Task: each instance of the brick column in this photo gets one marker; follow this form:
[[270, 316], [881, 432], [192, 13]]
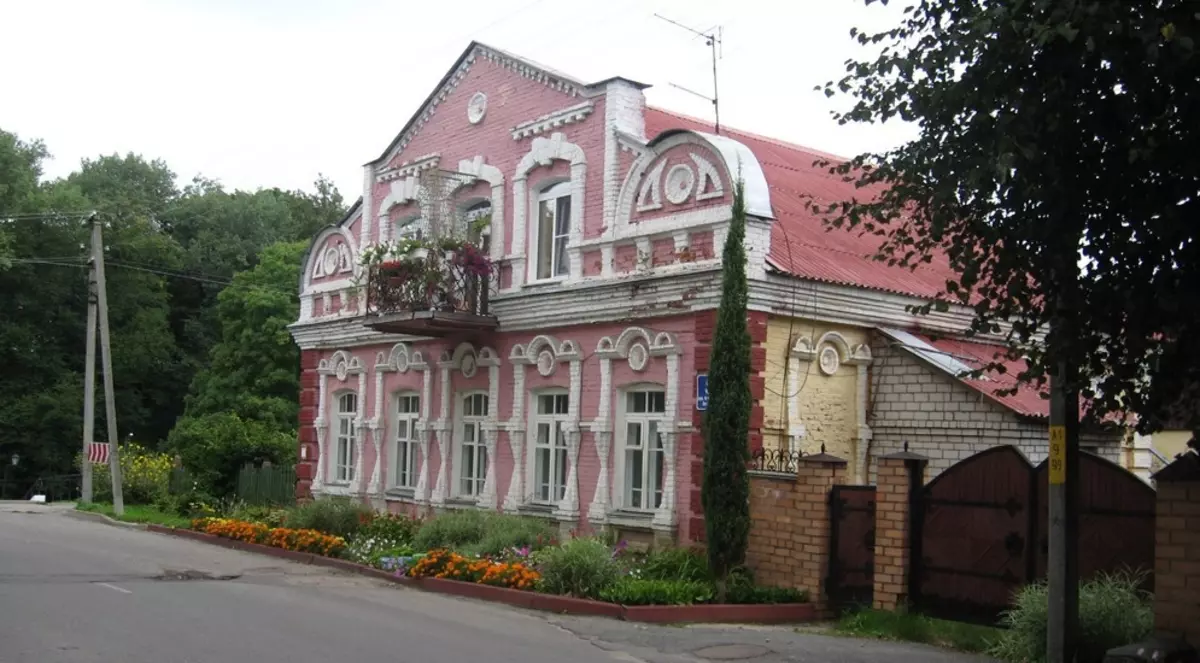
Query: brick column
[[898, 474], [307, 453], [815, 476], [1177, 550]]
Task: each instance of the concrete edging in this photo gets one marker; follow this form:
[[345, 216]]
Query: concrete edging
[[781, 613], [100, 517]]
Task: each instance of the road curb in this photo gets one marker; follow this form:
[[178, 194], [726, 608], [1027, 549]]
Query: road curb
[[781, 613], [103, 519]]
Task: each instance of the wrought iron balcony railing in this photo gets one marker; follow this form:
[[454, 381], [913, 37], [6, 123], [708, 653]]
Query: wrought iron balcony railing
[[432, 293]]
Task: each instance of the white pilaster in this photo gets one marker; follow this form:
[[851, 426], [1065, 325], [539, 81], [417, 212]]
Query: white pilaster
[[664, 516], [568, 507], [516, 439], [320, 428], [488, 499], [441, 490], [422, 490], [364, 237], [520, 207], [360, 420], [602, 433]]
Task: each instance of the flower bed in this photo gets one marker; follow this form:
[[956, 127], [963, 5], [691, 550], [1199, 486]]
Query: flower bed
[[298, 540], [512, 560]]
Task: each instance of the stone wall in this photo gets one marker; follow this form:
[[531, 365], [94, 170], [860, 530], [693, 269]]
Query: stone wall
[[943, 419]]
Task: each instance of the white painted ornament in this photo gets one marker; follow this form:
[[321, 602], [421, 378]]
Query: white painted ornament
[[477, 108], [680, 182]]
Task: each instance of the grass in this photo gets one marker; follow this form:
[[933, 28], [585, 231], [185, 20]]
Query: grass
[[910, 627], [136, 513]]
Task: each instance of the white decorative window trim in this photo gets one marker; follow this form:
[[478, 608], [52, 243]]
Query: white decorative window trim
[[479, 422], [401, 359], [476, 170], [831, 351], [553, 120], [543, 152]]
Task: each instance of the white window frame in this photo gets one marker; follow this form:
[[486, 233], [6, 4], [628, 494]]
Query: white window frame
[[345, 446], [469, 439], [404, 440], [650, 448], [410, 228], [558, 198], [548, 447]]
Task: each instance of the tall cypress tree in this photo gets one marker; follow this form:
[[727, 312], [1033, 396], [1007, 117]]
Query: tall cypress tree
[[725, 491]]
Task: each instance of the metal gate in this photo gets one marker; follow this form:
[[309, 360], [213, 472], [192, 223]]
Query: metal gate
[[979, 531], [851, 578]]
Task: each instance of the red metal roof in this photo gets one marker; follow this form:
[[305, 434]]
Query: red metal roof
[[1028, 400], [800, 243]]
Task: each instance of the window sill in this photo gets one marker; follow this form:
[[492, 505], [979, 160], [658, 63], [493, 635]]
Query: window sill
[[461, 503], [533, 509], [554, 280], [631, 519], [400, 494], [339, 484]]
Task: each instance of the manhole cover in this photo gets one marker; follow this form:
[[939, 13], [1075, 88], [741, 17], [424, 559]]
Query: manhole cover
[[731, 652]]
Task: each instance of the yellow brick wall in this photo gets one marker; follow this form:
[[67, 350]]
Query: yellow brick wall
[[1177, 560], [828, 403]]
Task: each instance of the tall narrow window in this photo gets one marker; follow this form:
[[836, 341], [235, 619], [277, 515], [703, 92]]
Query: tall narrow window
[[644, 414], [550, 448], [474, 460], [404, 458], [347, 437], [553, 230]]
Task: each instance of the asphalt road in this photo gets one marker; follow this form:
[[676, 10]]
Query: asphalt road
[[75, 590]]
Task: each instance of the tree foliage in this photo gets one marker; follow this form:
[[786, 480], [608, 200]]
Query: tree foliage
[[215, 446], [170, 253], [1055, 169], [725, 489]]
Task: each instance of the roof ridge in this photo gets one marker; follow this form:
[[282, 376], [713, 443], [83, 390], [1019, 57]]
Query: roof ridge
[[749, 134]]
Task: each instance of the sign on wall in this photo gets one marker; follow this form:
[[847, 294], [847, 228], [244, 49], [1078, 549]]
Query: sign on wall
[[702, 392]]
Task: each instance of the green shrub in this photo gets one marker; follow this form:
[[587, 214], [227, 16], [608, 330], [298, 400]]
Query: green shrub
[[1113, 611], [676, 564], [383, 536], [639, 591], [339, 517], [478, 532], [145, 476], [580, 567], [260, 513], [215, 447], [749, 593]]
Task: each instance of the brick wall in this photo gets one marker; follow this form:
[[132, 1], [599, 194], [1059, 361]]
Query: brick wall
[[308, 450], [1177, 550], [947, 421], [789, 531]]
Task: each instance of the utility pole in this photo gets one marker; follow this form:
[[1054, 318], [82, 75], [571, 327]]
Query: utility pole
[[110, 403], [1062, 571], [89, 370]]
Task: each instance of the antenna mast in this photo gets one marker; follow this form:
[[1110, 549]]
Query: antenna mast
[[712, 39]]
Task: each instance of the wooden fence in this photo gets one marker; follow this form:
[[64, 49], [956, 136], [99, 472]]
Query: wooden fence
[[267, 485]]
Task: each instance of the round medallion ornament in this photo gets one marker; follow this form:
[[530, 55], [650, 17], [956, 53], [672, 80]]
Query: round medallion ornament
[[469, 366], [402, 362], [476, 108], [545, 363], [680, 182], [638, 357], [330, 258], [828, 360], [341, 371]]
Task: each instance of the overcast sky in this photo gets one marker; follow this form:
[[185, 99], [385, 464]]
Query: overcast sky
[[260, 93]]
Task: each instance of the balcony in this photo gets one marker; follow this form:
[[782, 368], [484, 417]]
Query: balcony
[[432, 292]]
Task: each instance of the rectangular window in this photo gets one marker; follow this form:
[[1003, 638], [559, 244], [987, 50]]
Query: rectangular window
[[347, 437], [473, 459], [644, 413], [550, 448], [404, 456], [553, 231]]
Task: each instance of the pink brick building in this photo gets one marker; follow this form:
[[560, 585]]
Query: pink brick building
[[568, 389]]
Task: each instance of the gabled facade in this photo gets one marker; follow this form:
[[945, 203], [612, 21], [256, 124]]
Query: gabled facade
[[564, 382]]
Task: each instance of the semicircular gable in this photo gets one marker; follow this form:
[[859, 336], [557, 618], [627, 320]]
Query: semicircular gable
[[683, 171], [332, 257]]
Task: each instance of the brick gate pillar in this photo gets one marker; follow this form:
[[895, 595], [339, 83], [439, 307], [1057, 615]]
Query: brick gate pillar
[[898, 476], [1177, 549], [815, 476]]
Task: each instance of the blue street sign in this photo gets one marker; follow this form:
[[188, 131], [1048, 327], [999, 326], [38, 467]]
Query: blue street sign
[[702, 392]]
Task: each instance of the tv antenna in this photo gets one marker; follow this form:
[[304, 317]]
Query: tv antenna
[[712, 39]]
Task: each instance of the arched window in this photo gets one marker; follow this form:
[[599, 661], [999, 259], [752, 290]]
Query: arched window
[[347, 437], [552, 231], [413, 228]]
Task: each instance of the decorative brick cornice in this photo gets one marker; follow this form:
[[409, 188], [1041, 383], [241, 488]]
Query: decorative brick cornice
[[413, 168], [553, 120]]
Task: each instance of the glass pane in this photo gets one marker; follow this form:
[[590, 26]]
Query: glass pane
[[545, 404], [658, 401], [657, 459], [482, 464], [637, 401], [469, 433], [633, 478], [561, 265], [402, 429], [560, 481], [633, 434], [562, 225], [545, 239], [562, 403], [542, 472]]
